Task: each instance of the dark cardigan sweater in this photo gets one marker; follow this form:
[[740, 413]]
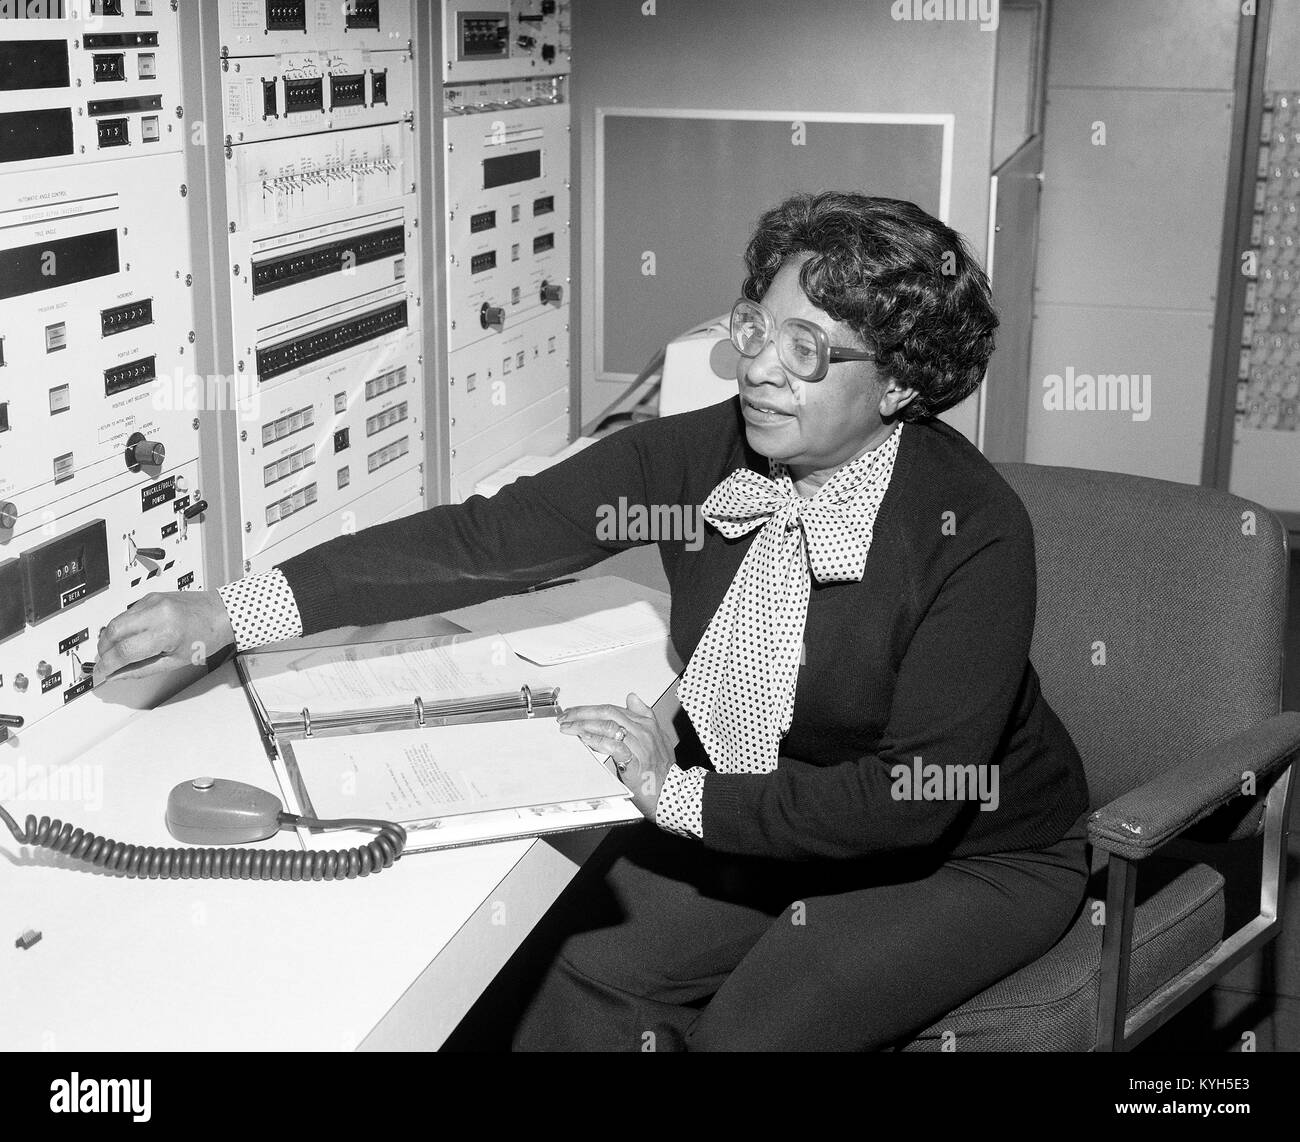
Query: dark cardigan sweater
[[926, 657]]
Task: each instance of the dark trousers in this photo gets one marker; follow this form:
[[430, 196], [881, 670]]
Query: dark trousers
[[672, 947]]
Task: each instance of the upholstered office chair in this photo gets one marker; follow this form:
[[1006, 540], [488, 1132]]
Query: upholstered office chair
[[1159, 642]]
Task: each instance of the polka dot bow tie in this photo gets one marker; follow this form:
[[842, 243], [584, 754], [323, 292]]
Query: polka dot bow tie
[[739, 685]]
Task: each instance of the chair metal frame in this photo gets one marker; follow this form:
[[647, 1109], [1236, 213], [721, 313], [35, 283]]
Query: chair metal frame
[[1119, 1029]]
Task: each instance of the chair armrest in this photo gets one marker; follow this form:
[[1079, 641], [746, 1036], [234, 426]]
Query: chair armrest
[[1139, 822]]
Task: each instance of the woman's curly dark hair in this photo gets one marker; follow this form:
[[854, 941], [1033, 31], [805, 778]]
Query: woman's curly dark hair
[[903, 281]]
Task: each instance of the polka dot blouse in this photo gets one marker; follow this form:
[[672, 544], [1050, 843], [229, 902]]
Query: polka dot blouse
[[261, 609], [739, 685]]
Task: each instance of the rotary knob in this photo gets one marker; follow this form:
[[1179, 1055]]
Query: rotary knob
[[8, 515], [551, 293], [149, 453], [142, 453], [492, 316]]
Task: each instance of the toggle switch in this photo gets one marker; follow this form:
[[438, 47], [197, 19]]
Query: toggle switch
[[142, 453], [12, 721], [151, 553], [492, 316], [551, 293], [197, 508]]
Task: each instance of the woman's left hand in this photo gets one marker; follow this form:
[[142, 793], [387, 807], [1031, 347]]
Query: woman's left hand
[[633, 738]]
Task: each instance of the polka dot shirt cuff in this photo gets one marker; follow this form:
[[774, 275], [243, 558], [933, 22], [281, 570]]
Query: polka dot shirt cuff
[[261, 609], [681, 802]]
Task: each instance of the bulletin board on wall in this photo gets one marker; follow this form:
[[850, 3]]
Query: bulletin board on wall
[[678, 193]]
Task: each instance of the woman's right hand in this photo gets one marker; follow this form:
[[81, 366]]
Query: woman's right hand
[[163, 632]]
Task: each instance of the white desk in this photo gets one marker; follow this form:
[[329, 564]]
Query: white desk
[[391, 961]]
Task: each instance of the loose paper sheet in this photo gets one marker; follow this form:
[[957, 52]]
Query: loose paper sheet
[[559, 624]]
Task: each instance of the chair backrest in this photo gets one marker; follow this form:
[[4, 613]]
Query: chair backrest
[[1161, 616]]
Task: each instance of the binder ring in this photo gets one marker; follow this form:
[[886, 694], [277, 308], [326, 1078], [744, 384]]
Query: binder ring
[[306, 722], [419, 711], [528, 698]]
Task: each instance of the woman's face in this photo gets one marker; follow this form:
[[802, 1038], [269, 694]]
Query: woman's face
[[813, 427]]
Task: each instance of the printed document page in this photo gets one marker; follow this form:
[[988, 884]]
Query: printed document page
[[367, 677], [419, 775]]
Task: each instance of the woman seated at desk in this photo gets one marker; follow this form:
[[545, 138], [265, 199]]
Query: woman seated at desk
[[875, 814]]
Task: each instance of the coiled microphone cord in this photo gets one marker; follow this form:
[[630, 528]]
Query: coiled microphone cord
[[216, 863]]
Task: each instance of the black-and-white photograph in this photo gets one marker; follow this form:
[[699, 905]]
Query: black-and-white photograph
[[650, 526]]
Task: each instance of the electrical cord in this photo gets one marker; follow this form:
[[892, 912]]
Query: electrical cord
[[217, 863]]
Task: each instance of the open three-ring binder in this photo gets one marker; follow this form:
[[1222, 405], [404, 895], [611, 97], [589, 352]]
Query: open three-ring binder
[[447, 712], [470, 754]]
